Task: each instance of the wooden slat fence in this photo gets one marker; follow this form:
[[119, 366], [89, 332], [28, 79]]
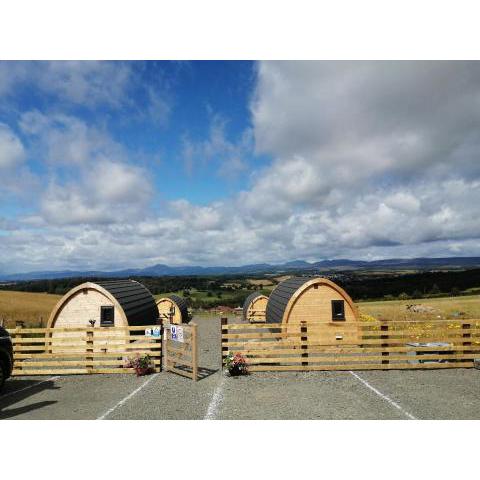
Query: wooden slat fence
[[353, 345], [81, 350], [181, 357]]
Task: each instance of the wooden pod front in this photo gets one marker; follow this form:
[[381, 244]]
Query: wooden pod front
[[173, 309], [254, 308], [115, 303], [319, 302]]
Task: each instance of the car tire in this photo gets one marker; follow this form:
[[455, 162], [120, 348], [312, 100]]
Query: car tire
[[3, 374]]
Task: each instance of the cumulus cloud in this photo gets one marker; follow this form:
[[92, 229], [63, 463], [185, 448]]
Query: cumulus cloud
[[90, 179], [368, 160], [87, 84], [108, 192], [63, 139], [80, 82], [227, 155], [12, 152]]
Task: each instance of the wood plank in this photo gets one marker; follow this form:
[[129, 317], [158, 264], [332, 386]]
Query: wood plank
[[352, 359], [80, 329], [127, 348], [313, 350], [360, 323], [65, 363], [180, 372], [377, 341], [371, 335], [154, 353], [181, 361], [307, 368]]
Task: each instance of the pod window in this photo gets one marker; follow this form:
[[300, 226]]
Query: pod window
[[107, 316], [338, 310]]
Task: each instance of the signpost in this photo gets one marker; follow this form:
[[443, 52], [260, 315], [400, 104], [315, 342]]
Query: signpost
[[177, 333]]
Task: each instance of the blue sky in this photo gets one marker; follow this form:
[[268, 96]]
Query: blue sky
[[126, 164]]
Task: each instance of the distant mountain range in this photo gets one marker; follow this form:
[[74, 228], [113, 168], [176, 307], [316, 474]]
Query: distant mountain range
[[299, 266]]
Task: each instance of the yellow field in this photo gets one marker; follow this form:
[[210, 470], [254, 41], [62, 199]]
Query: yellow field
[[441, 308], [33, 308], [262, 282]]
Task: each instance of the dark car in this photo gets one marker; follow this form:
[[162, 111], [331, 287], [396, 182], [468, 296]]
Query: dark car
[[6, 356]]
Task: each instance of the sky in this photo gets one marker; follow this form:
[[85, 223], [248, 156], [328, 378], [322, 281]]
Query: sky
[[112, 165]]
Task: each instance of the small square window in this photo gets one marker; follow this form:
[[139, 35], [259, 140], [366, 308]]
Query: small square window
[[338, 310], [107, 317]]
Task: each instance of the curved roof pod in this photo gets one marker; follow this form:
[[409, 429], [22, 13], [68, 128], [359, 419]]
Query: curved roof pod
[[308, 298], [173, 308], [254, 307], [133, 304]]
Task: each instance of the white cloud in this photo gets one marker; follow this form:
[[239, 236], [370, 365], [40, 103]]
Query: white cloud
[[12, 152], [67, 140], [227, 156], [88, 84], [369, 160], [90, 179]]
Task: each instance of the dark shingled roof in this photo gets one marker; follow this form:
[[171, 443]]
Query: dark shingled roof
[[182, 306], [248, 301], [278, 300], [136, 301]]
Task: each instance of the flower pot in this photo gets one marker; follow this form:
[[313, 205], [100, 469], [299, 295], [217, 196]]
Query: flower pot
[[142, 371], [235, 371]]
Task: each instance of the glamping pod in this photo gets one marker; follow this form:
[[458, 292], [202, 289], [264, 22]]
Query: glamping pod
[[112, 303], [315, 300], [254, 307], [174, 309]]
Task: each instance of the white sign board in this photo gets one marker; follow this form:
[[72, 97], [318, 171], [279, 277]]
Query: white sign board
[[177, 333], [156, 332], [148, 332]]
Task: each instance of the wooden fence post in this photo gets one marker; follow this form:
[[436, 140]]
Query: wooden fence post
[[162, 333], [194, 352], [223, 323], [89, 358], [18, 328], [304, 338], [467, 335], [384, 336], [165, 346]]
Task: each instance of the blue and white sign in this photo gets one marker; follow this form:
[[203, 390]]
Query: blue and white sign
[[177, 333], [156, 332]]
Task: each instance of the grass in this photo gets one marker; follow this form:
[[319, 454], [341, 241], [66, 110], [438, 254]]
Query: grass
[[442, 308], [261, 282], [32, 308], [202, 295]]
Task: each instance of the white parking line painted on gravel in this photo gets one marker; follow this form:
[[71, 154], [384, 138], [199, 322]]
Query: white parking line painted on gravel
[[51, 379], [128, 397], [382, 395], [215, 402]]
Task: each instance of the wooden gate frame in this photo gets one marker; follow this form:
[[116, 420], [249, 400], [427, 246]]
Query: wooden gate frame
[[185, 356]]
